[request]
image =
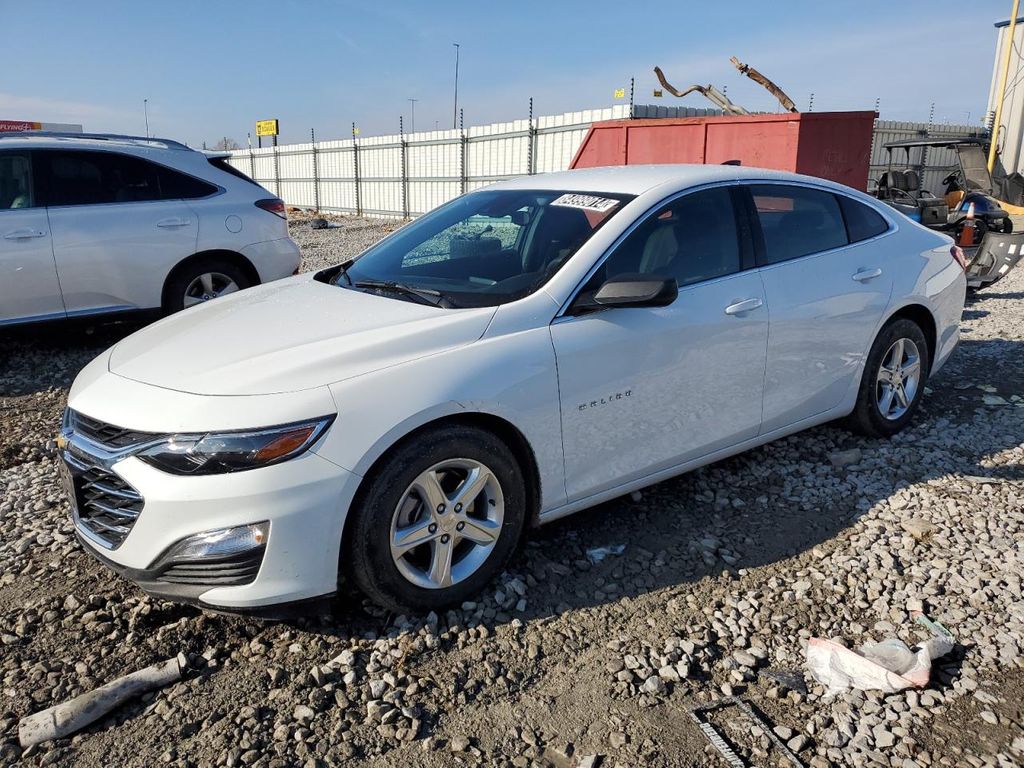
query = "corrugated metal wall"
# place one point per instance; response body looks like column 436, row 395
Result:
column 1011, row 138
column 402, row 176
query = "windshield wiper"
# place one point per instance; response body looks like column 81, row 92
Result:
column 423, row 295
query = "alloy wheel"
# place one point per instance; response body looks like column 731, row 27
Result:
column 208, row 285
column 447, row 523
column 899, row 377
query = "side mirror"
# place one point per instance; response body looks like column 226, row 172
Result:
column 637, row 291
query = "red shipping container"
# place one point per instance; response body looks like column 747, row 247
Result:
column 831, row 145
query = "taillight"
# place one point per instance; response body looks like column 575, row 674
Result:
column 958, row 255
column 273, row 205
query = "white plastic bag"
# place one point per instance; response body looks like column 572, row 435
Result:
column 887, row 666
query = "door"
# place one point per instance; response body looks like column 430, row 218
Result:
column 828, row 283
column 644, row 389
column 115, row 237
column 28, row 276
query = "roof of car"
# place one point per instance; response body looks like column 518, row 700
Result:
column 38, row 139
column 637, row 179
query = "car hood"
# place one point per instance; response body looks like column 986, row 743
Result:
column 289, row 335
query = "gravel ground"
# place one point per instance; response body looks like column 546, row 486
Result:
column 725, row 574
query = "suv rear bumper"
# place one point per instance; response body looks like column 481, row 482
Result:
column 274, row 259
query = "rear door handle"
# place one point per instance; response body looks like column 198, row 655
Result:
column 743, row 306
column 864, row 275
column 174, row 222
column 22, row 234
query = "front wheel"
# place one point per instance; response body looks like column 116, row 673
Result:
column 893, row 381
column 439, row 519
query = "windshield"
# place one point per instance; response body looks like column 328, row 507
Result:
column 481, row 249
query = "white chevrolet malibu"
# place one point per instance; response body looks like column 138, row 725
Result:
column 518, row 354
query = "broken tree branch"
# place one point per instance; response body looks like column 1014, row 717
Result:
column 64, row 719
column 772, row 88
column 709, row 92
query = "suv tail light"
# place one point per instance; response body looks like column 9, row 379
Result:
column 958, row 255
column 273, row 205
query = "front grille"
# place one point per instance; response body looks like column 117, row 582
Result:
column 230, row 571
column 108, row 435
column 107, row 505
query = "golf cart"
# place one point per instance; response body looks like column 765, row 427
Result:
column 970, row 184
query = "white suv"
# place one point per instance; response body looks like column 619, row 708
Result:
column 96, row 224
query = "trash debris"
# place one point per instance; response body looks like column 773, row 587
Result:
column 318, row 224
column 597, row 554
column 718, row 741
column 788, row 679
column 66, row 718
column 888, row 666
column 590, row 761
column 842, row 459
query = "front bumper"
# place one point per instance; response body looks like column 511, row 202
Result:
column 304, row 500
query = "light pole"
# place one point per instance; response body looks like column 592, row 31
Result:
column 455, row 111
column 145, row 111
column 412, row 117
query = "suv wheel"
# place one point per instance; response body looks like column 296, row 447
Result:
column 893, row 381
column 202, row 281
column 438, row 521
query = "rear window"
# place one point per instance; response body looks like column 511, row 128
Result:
column 862, row 223
column 797, row 221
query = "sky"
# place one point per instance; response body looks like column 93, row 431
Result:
column 211, row 69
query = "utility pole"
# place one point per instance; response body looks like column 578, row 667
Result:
column 145, row 111
column 412, row 117
column 455, row 110
column 1001, row 93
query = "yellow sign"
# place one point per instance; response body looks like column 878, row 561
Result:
column 266, row 127
column 620, row 93
column 657, row 93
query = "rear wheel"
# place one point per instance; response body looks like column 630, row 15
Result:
column 1007, row 226
column 893, row 381
column 202, row 281
column 438, row 520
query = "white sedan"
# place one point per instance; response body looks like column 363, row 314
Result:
column 518, row 354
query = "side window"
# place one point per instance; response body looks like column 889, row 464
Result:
column 178, row 186
column 797, row 221
column 15, row 181
column 862, row 223
column 692, row 239
column 93, row 178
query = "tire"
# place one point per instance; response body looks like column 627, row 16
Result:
column 393, row 501
column 867, row 417
column 1007, row 227
column 182, row 287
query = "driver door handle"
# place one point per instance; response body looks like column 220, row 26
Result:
column 743, row 306
column 21, row 234
column 173, row 222
column 864, row 275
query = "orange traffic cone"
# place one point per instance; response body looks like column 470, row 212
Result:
column 967, row 232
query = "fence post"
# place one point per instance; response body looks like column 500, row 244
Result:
column 403, row 145
column 632, row 85
column 316, row 173
column 531, row 139
column 463, row 157
column 277, row 171
column 355, row 167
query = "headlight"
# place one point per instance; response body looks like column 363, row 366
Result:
column 219, row 452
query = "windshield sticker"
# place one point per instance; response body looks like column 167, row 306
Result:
column 586, row 202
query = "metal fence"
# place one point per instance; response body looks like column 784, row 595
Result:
column 405, row 175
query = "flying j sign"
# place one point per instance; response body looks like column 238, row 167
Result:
column 266, row 128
